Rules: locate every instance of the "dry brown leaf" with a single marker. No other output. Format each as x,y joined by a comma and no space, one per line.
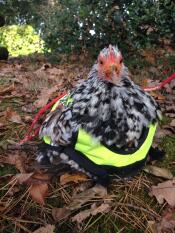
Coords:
2,209
94,210
13,190
152,227
47,229
170,115
12,116
18,161
144,83
6,89
170,97
80,199
33,178
55,71
24,177
38,192
167,223
149,56
41,176
172,124
158,171
44,96
60,213
169,107
28,119
160,133
164,191
76,178
158,96
82,187
171,129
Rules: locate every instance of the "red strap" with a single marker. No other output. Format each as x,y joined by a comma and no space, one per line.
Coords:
161,85
29,137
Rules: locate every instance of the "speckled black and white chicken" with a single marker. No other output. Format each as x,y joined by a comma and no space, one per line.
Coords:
108,106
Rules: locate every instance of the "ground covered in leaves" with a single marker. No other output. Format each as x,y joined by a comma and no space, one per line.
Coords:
35,200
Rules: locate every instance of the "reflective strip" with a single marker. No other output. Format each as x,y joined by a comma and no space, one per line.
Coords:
65,100
101,155
98,153
47,139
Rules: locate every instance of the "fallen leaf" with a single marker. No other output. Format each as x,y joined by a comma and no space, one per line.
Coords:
80,199
160,133
60,213
12,116
6,89
76,178
41,176
167,223
33,178
55,72
23,177
94,210
171,129
144,83
149,56
2,209
29,108
47,229
158,171
28,119
158,96
164,191
18,161
152,227
82,187
38,192
172,123
169,107
171,115
45,95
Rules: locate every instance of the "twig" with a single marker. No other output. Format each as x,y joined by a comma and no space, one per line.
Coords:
140,208
22,227
27,147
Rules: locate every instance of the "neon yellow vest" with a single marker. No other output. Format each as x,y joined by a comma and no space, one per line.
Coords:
100,154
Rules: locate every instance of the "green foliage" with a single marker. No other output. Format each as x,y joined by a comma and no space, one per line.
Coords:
150,20
130,24
20,40
84,25
21,11
73,25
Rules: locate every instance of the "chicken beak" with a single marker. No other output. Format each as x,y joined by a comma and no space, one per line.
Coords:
113,69
114,74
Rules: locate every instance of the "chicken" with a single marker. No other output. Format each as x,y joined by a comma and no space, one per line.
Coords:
108,106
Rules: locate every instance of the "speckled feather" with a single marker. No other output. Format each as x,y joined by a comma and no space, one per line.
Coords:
113,114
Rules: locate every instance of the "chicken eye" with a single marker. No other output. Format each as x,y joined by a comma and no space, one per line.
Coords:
121,60
101,62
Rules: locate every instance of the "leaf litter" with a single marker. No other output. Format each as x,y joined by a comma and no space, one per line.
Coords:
158,171
34,86
47,229
164,191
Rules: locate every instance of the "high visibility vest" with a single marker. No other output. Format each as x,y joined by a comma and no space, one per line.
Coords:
102,155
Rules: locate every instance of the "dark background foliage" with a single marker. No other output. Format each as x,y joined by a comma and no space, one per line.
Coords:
88,25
